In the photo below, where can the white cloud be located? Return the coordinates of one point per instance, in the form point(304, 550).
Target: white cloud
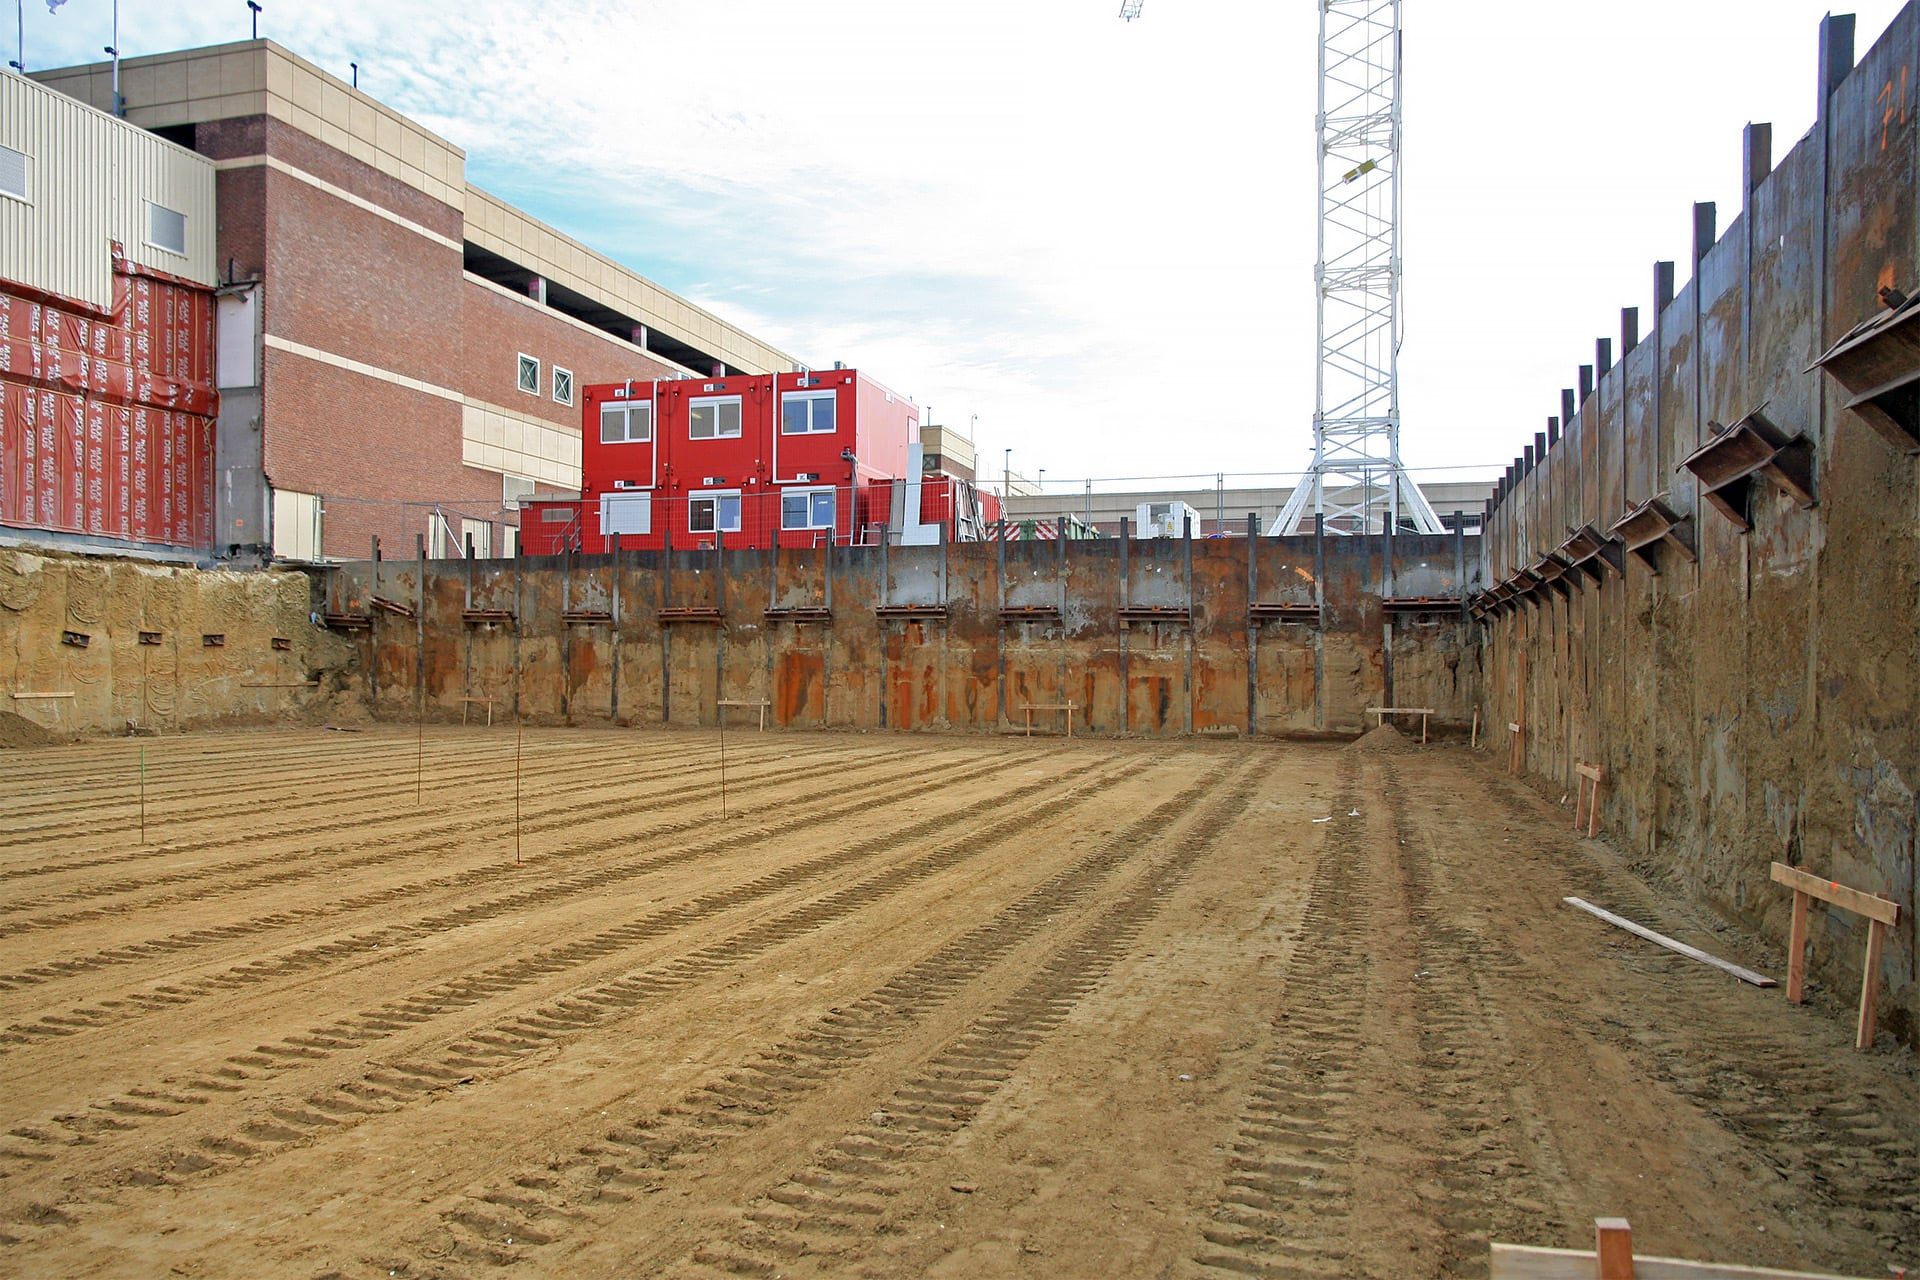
point(1098, 236)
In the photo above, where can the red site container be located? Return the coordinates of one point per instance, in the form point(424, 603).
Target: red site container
point(107, 418)
point(754, 461)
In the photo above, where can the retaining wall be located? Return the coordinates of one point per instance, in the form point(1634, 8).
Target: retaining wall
point(94, 645)
point(665, 636)
point(1760, 701)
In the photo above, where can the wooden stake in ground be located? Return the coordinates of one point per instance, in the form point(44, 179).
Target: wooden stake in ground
point(143, 795)
point(723, 765)
point(1881, 914)
point(516, 793)
point(419, 746)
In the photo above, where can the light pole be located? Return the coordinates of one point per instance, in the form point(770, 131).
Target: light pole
point(20, 21)
point(1006, 475)
point(255, 7)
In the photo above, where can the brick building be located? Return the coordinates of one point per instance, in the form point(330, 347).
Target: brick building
point(400, 353)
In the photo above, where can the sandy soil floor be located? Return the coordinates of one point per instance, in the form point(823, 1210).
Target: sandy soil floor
point(914, 1006)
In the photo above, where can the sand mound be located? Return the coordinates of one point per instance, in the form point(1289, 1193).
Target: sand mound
point(1383, 740)
point(18, 731)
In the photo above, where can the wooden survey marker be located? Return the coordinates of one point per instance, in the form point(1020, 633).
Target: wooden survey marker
point(1880, 912)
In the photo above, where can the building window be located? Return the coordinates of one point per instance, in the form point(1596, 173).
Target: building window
point(13, 173)
point(166, 228)
point(806, 509)
point(715, 418)
point(529, 375)
point(626, 423)
point(714, 512)
point(562, 385)
point(806, 413)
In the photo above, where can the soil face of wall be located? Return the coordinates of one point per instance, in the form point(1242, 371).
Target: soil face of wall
point(1752, 692)
point(93, 645)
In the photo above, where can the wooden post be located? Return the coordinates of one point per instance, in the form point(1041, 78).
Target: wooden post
point(1476, 729)
point(1613, 1241)
point(1797, 950)
point(516, 791)
point(1870, 985)
point(143, 795)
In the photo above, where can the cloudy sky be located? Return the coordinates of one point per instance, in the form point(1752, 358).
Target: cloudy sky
point(1096, 236)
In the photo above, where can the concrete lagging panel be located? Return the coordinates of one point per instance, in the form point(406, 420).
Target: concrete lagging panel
point(1761, 702)
point(995, 627)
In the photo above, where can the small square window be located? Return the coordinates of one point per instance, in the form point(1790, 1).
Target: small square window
point(626, 423)
point(166, 228)
point(806, 509)
point(530, 375)
point(13, 173)
point(562, 385)
point(714, 419)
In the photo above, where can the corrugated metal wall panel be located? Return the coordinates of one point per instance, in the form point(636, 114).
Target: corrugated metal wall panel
point(89, 177)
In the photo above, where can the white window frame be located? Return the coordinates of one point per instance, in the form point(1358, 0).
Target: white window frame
point(739, 418)
point(809, 494)
point(520, 371)
point(715, 496)
point(25, 194)
point(790, 396)
point(626, 513)
point(555, 378)
point(151, 243)
point(628, 410)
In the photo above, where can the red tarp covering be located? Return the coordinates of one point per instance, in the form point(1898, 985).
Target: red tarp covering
point(106, 422)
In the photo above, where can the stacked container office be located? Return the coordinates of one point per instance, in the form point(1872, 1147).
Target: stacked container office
point(791, 460)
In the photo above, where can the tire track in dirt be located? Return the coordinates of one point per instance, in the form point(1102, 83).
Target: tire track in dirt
point(406, 829)
point(134, 952)
point(401, 844)
point(171, 800)
point(1841, 1135)
point(1289, 1185)
point(549, 778)
point(395, 1084)
point(843, 1193)
point(548, 892)
point(1465, 1047)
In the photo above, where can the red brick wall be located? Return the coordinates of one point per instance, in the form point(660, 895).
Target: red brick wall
point(498, 329)
point(370, 447)
point(347, 282)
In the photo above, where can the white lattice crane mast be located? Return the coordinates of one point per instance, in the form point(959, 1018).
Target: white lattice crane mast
point(1356, 469)
point(1130, 9)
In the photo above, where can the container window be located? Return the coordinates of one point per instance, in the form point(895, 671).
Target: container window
point(806, 509)
point(166, 228)
point(714, 512)
point(628, 423)
point(13, 173)
point(562, 385)
point(716, 418)
point(529, 375)
point(806, 413)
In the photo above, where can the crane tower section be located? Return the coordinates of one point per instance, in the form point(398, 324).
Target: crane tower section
point(1357, 481)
